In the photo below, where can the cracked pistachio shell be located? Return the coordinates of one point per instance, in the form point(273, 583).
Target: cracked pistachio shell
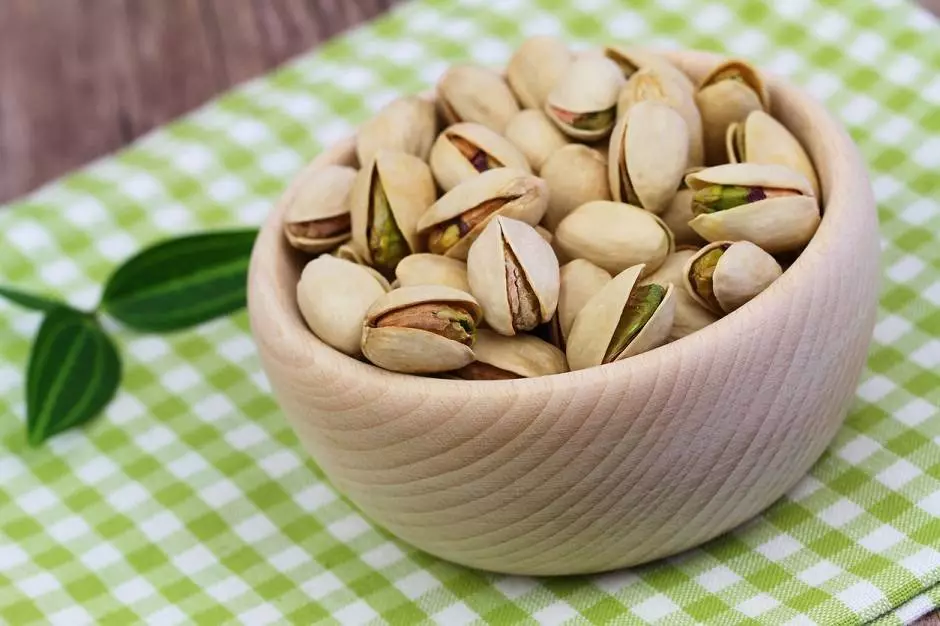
point(408, 344)
point(776, 224)
point(317, 215)
point(678, 214)
point(535, 67)
point(432, 269)
point(535, 135)
point(514, 274)
point(333, 296)
point(727, 95)
point(595, 326)
point(502, 358)
point(580, 280)
point(631, 60)
point(575, 174)
point(690, 316)
point(409, 190)
point(583, 103)
point(471, 93)
point(403, 125)
point(461, 214)
point(614, 236)
point(648, 154)
point(762, 139)
point(465, 150)
point(651, 84)
point(742, 271)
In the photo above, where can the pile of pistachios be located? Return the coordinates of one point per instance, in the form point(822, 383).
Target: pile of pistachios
point(578, 209)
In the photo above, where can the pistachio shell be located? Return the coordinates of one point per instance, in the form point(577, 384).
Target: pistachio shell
point(723, 101)
point(535, 67)
point(631, 60)
point(414, 350)
point(651, 84)
point(580, 280)
point(404, 125)
point(762, 139)
point(525, 196)
point(432, 269)
point(777, 224)
point(349, 252)
point(522, 356)
point(333, 296)
point(464, 150)
point(470, 93)
point(317, 215)
point(409, 189)
point(535, 135)
point(575, 174)
point(584, 100)
point(595, 325)
point(690, 315)
point(514, 274)
point(648, 155)
point(678, 214)
point(742, 272)
point(614, 236)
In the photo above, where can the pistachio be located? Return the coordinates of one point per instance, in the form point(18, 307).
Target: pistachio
point(727, 95)
point(769, 205)
point(465, 150)
point(583, 103)
point(404, 125)
point(535, 67)
point(316, 218)
point(349, 252)
point(621, 320)
point(504, 358)
point(614, 236)
point(453, 222)
point(690, 315)
point(421, 329)
point(514, 274)
point(678, 213)
point(580, 280)
point(389, 195)
point(725, 275)
point(333, 296)
point(762, 139)
point(470, 93)
point(575, 174)
point(648, 154)
point(535, 135)
point(632, 60)
point(432, 269)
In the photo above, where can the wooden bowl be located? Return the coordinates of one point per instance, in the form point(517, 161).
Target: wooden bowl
point(611, 466)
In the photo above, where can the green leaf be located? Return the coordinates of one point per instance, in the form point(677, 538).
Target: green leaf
point(74, 370)
point(181, 282)
point(29, 300)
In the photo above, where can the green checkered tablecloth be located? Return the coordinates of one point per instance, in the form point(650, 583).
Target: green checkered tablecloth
point(191, 502)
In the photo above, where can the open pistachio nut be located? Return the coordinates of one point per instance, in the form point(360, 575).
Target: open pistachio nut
point(390, 193)
point(421, 330)
point(535, 67)
point(580, 280)
point(724, 275)
point(535, 135)
point(432, 269)
point(453, 222)
point(762, 139)
point(465, 150)
point(499, 357)
point(575, 174)
point(583, 103)
point(727, 95)
point(614, 236)
point(648, 153)
point(769, 205)
point(623, 319)
point(632, 60)
point(333, 296)
point(471, 93)
point(405, 124)
point(652, 84)
point(690, 315)
point(514, 274)
point(316, 218)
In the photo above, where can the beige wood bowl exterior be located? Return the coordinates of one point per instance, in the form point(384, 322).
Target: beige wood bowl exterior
point(611, 466)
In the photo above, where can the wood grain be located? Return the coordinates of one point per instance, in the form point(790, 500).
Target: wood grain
point(606, 467)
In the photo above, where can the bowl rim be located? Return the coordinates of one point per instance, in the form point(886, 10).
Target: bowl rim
point(276, 320)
